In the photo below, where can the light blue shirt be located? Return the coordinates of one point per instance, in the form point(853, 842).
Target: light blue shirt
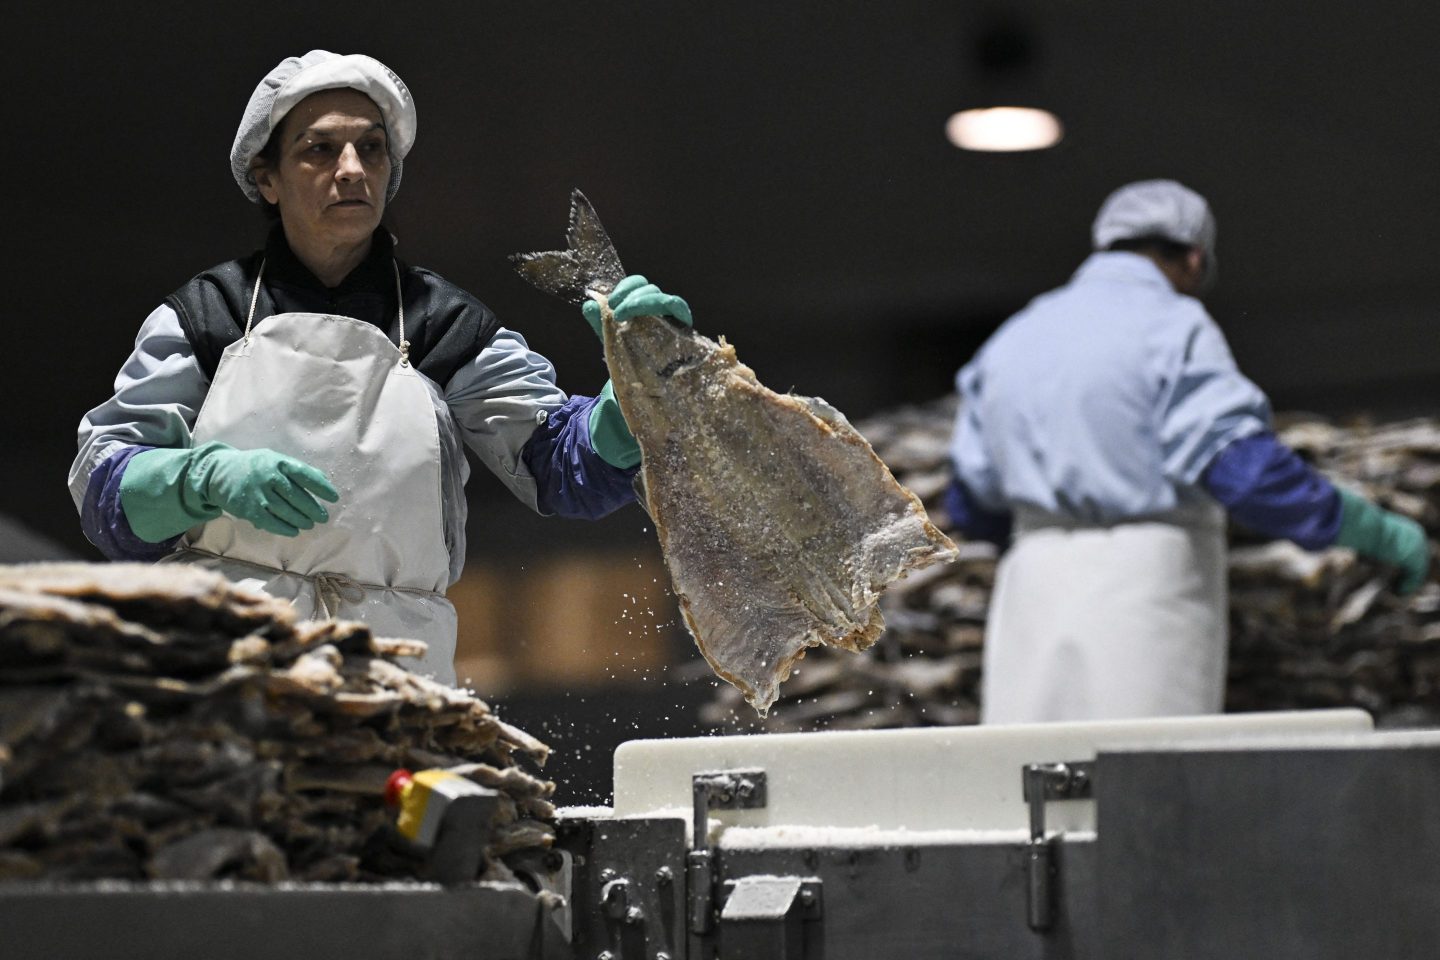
point(1102, 401)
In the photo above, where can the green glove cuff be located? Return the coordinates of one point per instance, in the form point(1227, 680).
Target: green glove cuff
point(610, 435)
point(1360, 522)
point(162, 496)
point(593, 316)
point(1388, 537)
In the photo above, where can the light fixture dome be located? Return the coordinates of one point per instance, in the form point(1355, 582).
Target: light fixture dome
point(1004, 129)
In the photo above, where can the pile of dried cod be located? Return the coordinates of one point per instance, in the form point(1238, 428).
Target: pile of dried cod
point(159, 722)
point(1307, 630)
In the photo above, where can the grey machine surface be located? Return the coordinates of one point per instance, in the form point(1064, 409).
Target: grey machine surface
point(1264, 835)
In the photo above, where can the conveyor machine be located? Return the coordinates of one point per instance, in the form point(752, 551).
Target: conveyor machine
point(1261, 835)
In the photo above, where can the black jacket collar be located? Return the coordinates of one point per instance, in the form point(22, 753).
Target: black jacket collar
point(374, 274)
point(446, 326)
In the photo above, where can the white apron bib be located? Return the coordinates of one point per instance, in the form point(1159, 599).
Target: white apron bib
point(1095, 623)
point(337, 394)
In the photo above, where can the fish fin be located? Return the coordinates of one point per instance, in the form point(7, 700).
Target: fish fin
point(590, 263)
point(587, 237)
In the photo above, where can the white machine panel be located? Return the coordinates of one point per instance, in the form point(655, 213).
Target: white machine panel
point(950, 780)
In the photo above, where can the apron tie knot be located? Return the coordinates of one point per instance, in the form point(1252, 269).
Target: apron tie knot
point(331, 588)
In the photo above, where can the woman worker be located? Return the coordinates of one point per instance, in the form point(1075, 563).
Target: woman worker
point(294, 418)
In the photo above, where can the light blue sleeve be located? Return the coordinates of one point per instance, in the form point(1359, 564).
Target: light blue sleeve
point(1206, 402)
point(969, 453)
point(158, 395)
point(498, 399)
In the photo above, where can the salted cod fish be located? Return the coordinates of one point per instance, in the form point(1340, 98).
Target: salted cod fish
point(778, 523)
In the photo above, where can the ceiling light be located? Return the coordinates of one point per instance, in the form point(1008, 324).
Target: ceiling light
point(1004, 129)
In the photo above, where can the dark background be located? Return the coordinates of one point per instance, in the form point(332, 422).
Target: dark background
point(782, 166)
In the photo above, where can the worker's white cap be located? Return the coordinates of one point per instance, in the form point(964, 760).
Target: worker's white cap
point(294, 79)
point(1157, 208)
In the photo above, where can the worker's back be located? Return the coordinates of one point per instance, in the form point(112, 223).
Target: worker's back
point(1095, 403)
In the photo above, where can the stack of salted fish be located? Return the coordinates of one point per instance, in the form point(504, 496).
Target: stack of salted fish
point(160, 722)
point(1307, 629)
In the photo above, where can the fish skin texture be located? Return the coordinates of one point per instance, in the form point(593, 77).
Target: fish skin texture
point(779, 525)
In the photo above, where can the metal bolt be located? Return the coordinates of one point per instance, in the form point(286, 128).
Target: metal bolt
point(807, 897)
point(634, 915)
point(604, 955)
point(664, 876)
point(615, 899)
point(662, 955)
point(607, 875)
point(746, 789)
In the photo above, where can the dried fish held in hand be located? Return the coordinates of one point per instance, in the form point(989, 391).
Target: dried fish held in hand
point(779, 525)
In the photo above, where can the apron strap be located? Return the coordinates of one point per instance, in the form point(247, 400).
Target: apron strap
point(254, 296)
point(399, 303)
point(330, 588)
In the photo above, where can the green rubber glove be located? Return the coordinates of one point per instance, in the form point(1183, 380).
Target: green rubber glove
point(610, 436)
point(166, 492)
point(637, 297)
point(1377, 533)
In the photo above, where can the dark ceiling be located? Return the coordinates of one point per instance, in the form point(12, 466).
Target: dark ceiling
point(782, 166)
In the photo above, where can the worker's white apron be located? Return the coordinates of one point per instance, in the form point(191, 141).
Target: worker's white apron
point(337, 394)
point(1093, 623)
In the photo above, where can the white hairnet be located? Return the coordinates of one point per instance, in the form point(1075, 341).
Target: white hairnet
point(296, 78)
point(1157, 208)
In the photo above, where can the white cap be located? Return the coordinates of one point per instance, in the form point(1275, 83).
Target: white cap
point(1157, 208)
point(296, 78)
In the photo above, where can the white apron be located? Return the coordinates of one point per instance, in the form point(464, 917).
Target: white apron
point(337, 394)
point(1095, 623)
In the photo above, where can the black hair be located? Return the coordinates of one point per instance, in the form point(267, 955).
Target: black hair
point(1162, 247)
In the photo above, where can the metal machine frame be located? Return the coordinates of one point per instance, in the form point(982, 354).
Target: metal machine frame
point(1320, 850)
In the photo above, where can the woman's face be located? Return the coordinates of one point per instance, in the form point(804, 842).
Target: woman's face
point(331, 170)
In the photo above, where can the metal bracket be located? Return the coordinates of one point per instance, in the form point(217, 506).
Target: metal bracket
point(551, 873)
point(627, 886)
point(724, 790)
point(615, 902)
point(764, 917)
point(770, 898)
point(1048, 782)
point(715, 790)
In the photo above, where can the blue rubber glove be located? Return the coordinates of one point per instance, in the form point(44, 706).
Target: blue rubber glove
point(610, 436)
point(1387, 537)
point(166, 492)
